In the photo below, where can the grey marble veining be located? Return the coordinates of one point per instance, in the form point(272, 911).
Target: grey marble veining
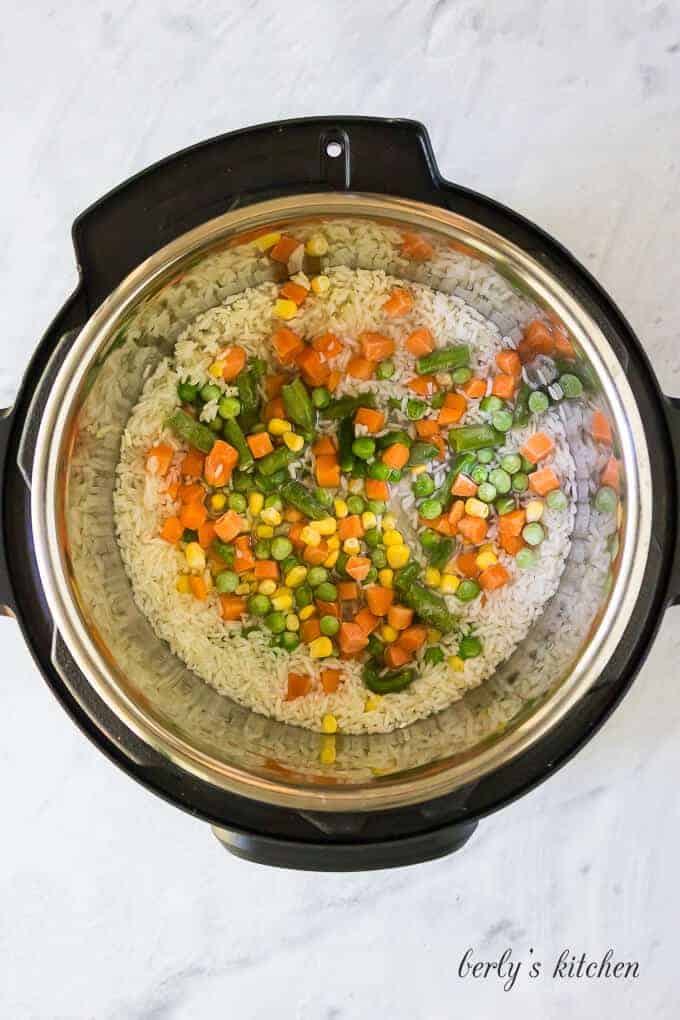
point(113, 905)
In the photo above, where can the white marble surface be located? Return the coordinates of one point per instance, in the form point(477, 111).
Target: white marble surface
point(115, 906)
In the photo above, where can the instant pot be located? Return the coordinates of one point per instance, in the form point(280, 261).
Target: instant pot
point(379, 800)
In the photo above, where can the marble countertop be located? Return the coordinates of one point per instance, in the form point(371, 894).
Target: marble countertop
point(115, 906)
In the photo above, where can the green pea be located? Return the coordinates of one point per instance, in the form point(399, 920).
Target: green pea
point(263, 549)
point(520, 482)
point(433, 655)
point(216, 424)
point(556, 500)
point(187, 392)
point(371, 576)
point(317, 576)
point(512, 463)
point(468, 590)
point(281, 547)
point(423, 486)
point(259, 605)
point(379, 558)
point(237, 501)
point(415, 409)
point(479, 474)
point(329, 625)
point(289, 640)
point(210, 392)
point(355, 504)
point(461, 376)
point(526, 559)
point(226, 581)
point(229, 407)
point(395, 475)
point(303, 596)
point(377, 506)
point(359, 469)
point(491, 404)
point(437, 400)
point(470, 648)
point(485, 456)
point(373, 538)
point(327, 592)
point(321, 397)
point(276, 622)
point(363, 447)
point(429, 539)
point(538, 402)
point(430, 509)
point(274, 502)
point(571, 385)
point(374, 647)
point(504, 505)
point(241, 482)
point(533, 534)
point(502, 421)
point(502, 480)
point(385, 370)
point(606, 500)
point(379, 471)
point(486, 492)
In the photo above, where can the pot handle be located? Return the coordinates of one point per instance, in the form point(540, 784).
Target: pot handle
point(6, 596)
point(673, 417)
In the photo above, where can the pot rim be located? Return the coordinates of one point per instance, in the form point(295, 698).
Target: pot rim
point(426, 782)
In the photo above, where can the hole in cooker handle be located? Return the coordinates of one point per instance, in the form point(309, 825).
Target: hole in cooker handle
point(336, 170)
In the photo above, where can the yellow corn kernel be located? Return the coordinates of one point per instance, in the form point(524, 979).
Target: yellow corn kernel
point(327, 526)
point(283, 590)
point(279, 426)
point(456, 664)
point(327, 752)
point(418, 470)
point(282, 603)
point(332, 558)
point(486, 559)
point(267, 587)
point(386, 577)
point(218, 501)
point(195, 556)
point(316, 245)
point(182, 585)
point(285, 309)
point(255, 502)
point(388, 633)
point(333, 542)
point(340, 507)
point(434, 636)
point(393, 537)
point(248, 576)
point(449, 584)
point(320, 648)
point(329, 724)
point(292, 622)
point(266, 241)
point(321, 284)
point(388, 522)
point(398, 556)
point(307, 612)
point(295, 576)
point(270, 515)
point(355, 486)
point(534, 510)
point(293, 441)
point(264, 531)
point(372, 702)
point(433, 577)
point(243, 588)
point(488, 547)
point(351, 546)
point(368, 520)
point(309, 536)
point(475, 508)
point(216, 369)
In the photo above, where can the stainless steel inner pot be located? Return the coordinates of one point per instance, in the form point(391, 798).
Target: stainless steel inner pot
point(150, 690)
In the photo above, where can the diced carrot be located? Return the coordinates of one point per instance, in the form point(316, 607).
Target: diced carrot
point(564, 347)
point(192, 465)
point(172, 489)
point(294, 534)
point(233, 607)
point(172, 530)
point(370, 419)
point(330, 680)
point(415, 247)
point(284, 248)
point(315, 372)
point(399, 303)
point(426, 428)
point(423, 385)
point(287, 344)
point(228, 526)
point(473, 529)
point(198, 588)
point(512, 523)
point(273, 384)
point(396, 656)
point(333, 381)
point(400, 617)
point(376, 489)
point(316, 554)
point(439, 524)
point(159, 459)
point(463, 487)
point(244, 559)
point(325, 445)
point(206, 534)
point(352, 638)
point(220, 463)
point(260, 444)
point(420, 342)
point(537, 339)
point(611, 474)
point(328, 344)
point(413, 638)
point(455, 406)
point(310, 629)
point(327, 471)
point(360, 368)
point(328, 608)
point(379, 599)
point(193, 515)
point(350, 527)
point(456, 513)
point(274, 409)
point(233, 360)
point(543, 481)
point(298, 685)
point(366, 620)
point(266, 570)
point(466, 564)
point(600, 429)
point(348, 590)
point(375, 346)
point(493, 577)
point(357, 567)
point(396, 456)
point(509, 362)
point(511, 544)
point(504, 386)
point(538, 447)
point(475, 388)
point(194, 493)
point(294, 292)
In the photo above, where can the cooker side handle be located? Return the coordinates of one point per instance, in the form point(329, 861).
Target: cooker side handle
point(673, 416)
point(6, 596)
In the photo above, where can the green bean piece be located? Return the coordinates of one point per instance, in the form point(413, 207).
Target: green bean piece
point(241, 482)
point(606, 500)
point(528, 466)
point(187, 392)
point(470, 647)
point(276, 460)
point(258, 367)
point(520, 414)
point(281, 547)
point(422, 453)
point(429, 540)
point(533, 534)
point(191, 431)
point(474, 437)
point(538, 402)
point(390, 438)
point(360, 469)
point(385, 370)
point(270, 483)
point(437, 400)
point(363, 447)
point(288, 564)
point(433, 656)
point(479, 474)
point(247, 393)
point(373, 538)
point(446, 359)
point(423, 486)
point(404, 577)
point(259, 605)
point(371, 576)
point(298, 405)
point(345, 441)
point(394, 475)
point(233, 433)
point(297, 496)
point(226, 582)
point(415, 409)
point(215, 425)
point(320, 397)
point(389, 682)
point(346, 406)
point(274, 501)
point(224, 551)
point(430, 607)
point(442, 553)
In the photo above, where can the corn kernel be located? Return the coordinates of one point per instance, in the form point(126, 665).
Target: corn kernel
point(355, 486)
point(456, 664)
point(320, 648)
point(389, 522)
point(216, 369)
point(267, 587)
point(372, 702)
point(351, 546)
point(283, 590)
point(393, 537)
point(316, 245)
point(386, 577)
point(296, 576)
point(486, 559)
point(333, 542)
point(434, 636)
point(327, 752)
point(248, 576)
point(368, 520)
point(243, 588)
point(449, 584)
point(255, 502)
point(266, 241)
point(195, 556)
point(388, 633)
point(182, 585)
point(321, 284)
point(279, 426)
point(270, 515)
point(433, 577)
point(285, 309)
point(327, 526)
point(340, 507)
point(218, 501)
point(307, 612)
point(331, 559)
point(264, 531)
point(282, 603)
point(534, 510)
point(309, 536)
point(398, 556)
point(292, 622)
point(475, 508)
point(418, 470)
point(329, 724)
point(293, 441)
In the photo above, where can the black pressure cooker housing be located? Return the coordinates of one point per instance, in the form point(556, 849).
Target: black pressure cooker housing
point(147, 212)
